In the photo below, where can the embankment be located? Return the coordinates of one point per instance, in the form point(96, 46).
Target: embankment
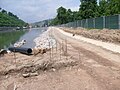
point(103, 35)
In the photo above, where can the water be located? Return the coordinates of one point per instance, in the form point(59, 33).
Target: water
point(11, 37)
point(30, 36)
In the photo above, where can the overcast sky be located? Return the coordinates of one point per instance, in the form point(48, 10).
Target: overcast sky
point(37, 10)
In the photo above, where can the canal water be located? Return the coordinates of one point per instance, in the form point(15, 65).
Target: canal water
point(9, 38)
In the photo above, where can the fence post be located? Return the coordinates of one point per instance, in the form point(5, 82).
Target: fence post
point(75, 24)
point(86, 23)
point(103, 21)
point(119, 21)
point(81, 23)
point(93, 22)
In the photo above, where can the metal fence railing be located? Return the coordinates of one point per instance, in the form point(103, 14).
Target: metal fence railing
point(109, 22)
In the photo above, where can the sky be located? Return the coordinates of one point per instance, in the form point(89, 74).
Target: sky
point(37, 10)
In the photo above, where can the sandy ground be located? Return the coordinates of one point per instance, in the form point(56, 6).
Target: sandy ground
point(71, 65)
point(105, 35)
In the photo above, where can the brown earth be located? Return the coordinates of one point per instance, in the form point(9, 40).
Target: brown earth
point(72, 65)
point(104, 34)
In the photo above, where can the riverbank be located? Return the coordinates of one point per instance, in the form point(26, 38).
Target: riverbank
point(9, 38)
point(21, 66)
point(6, 29)
point(45, 40)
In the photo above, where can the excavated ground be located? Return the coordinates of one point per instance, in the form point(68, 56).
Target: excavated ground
point(104, 35)
point(71, 65)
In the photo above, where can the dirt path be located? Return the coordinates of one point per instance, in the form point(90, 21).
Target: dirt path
point(101, 65)
point(77, 66)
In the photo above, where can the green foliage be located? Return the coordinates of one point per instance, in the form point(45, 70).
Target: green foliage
point(4, 11)
point(10, 20)
point(69, 14)
point(55, 21)
point(102, 7)
point(63, 16)
point(113, 7)
point(88, 9)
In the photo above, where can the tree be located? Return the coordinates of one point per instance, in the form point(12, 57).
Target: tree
point(88, 9)
point(55, 21)
point(113, 7)
point(62, 15)
point(69, 15)
point(12, 15)
point(92, 1)
point(10, 20)
point(4, 11)
point(103, 4)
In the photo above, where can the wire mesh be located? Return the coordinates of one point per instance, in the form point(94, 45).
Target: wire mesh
point(110, 22)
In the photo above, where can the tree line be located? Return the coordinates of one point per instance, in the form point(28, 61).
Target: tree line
point(88, 9)
point(8, 19)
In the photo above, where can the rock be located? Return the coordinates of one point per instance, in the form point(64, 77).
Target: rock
point(43, 51)
point(54, 69)
point(36, 51)
point(2, 52)
point(26, 75)
point(30, 74)
point(34, 74)
point(73, 34)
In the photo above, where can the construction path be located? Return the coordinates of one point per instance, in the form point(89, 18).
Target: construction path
point(99, 68)
point(96, 68)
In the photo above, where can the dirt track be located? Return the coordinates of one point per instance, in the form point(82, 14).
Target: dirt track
point(94, 68)
point(97, 63)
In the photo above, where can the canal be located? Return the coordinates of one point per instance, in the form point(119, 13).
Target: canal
point(9, 38)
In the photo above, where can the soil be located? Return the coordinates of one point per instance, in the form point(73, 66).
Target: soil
point(71, 65)
point(103, 35)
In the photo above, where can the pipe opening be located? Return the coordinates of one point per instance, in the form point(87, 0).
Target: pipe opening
point(29, 50)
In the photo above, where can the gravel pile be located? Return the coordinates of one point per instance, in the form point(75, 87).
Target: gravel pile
point(45, 41)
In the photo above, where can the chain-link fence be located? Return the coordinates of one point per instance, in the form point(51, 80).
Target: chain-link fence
point(109, 22)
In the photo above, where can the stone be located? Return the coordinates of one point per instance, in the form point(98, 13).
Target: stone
point(43, 51)
point(2, 52)
point(34, 74)
point(54, 69)
point(26, 75)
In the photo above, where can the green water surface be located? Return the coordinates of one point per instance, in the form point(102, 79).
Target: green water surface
point(7, 38)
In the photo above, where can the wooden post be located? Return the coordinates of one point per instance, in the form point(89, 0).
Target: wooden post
point(56, 46)
point(50, 50)
point(66, 49)
point(14, 56)
point(60, 51)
